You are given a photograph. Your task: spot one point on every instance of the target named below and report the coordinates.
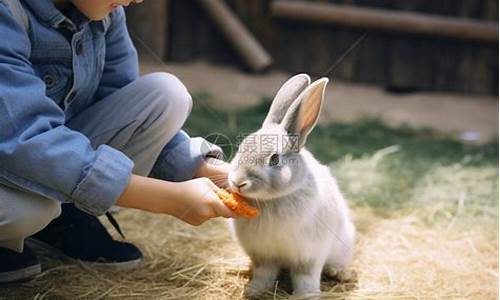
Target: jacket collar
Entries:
(47, 13)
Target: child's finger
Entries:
(212, 185)
(222, 210)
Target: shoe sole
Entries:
(20, 274)
(40, 246)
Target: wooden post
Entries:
(254, 55)
(370, 18)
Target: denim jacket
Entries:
(44, 81)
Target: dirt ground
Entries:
(464, 116)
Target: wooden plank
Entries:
(446, 75)
(290, 50)
(343, 39)
(490, 10)
(182, 46)
(477, 69)
(371, 59)
(152, 33)
(319, 39)
(410, 66)
(320, 53)
(380, 19)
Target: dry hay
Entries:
(401, 257)
(397, 258)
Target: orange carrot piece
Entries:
(237, 204)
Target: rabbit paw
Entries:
(310, 295)
(342, 275)
(256, 288)
(263, 279)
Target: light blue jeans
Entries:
(143, 120)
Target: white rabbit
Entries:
(304, 224)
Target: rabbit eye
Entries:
(274, 160)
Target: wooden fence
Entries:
(180, 30)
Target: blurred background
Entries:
(423, 64)
(413, 45)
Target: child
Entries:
(78, 125)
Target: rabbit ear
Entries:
(303, 114)
(285, 97)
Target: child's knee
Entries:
(170, 95)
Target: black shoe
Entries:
(16, 266)
(76, 235)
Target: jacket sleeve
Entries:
(38, 152)
(121, 65)
(182, 156)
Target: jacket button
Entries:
(79, 47)
(49, 80)
(71, 97)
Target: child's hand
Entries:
(193, 201)
(214, 169)
(198, 202)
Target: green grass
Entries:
(386, 169)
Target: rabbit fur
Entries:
(304, 225)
